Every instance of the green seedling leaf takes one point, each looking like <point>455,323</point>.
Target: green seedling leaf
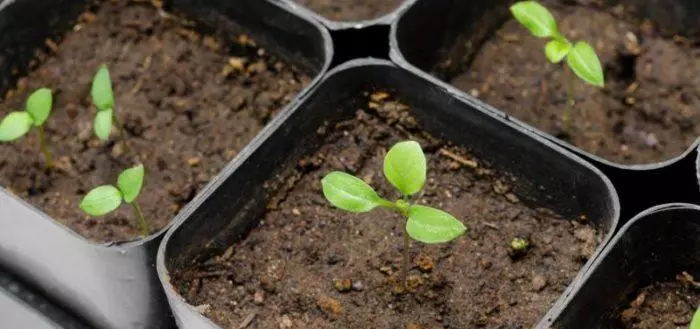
<point>15,125</point>
<point>130,182</point>
<point>556,50</point>
<point>535,18</point>
<point>430,225</point>
<point>405,167</point>
<point>695,323</point>
<point>350,193</point>
<point>101,200</point>
<point>103,124</point>
<point>585,63</point>
<point>101,92</point>
<point>39,105</point>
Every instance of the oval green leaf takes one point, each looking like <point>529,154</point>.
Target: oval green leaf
<point>583,60</point>
<point>15,125</point>
<point>695,323</point>
<point>101,91</point>
<point>103,124</point>
<point>556,50</point>
<point>101,200</point>
<point>350,193</point>
<point>130,182</point>
<point>39,105</point>
<point>405,167</point>
<point>430,225</point>
<point>535,18</point>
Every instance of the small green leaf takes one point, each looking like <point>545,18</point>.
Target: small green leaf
<point>15,125</point>
<point>103,124</point>
<point>39,105</point>
<point>556,50</point>
<point>350,193</point>
<point>695,323</point>
<point>535,18</point>
<point>585,63</point>
<point>405,167</point>
<point>101,92</point>
<point>101,200</point>
<point>430,225</point>
<point>130,182</point>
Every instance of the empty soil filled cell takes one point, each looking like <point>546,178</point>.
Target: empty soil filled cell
<point>310,265</point>
<point>351,10</point>
<point>664,305</point>
<point>648,110</point>
<point>188,103</point>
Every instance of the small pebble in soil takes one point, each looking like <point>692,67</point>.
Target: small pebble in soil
<point>285,322</point>
<point>358,286</point>
<point>329,305</point>
<point>518,247</point>
<point>342,285</point>
<point>258,298</point>
<point>425,263</point>
<point>538,282</point>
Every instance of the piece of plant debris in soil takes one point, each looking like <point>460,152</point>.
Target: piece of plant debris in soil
<point>351,10</point>
<point>311,265</point>
<point>188,103</point>
<point>663,305</point>
<point>646,112</point>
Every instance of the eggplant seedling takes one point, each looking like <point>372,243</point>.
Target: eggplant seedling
<point>405,169</point>
<point>103,98</point>
<point>19,123</point>
<point>580,56</point>
<point>106,198</point>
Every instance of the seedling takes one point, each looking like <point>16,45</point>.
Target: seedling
<point>405,169</point>
<point>580,56</point>
<point>106,198</point>
<point>103,98</point>
<point>36,111</point>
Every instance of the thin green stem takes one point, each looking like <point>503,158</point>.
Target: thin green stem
<point>566,117</point>
<point>406,245</point>
<point>122,134</point>
<point>143,226</point>
<point>43,146</point>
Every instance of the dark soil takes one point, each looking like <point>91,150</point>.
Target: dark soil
<point>351,10</point>
<point>188,102</point>
<point>648,110</point>
<point>310,265</point>
<point>665,305</point>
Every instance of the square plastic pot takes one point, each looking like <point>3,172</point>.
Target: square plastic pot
<point>115,286</point>
<point>548,175</point>
<point>655,246</point>
<point>434,31</point>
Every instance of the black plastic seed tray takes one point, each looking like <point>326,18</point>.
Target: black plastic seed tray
<point>117,286</point>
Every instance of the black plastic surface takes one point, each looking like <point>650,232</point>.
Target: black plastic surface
<point>115,286</point>
<point>548,176</point>
<point>655,246</point>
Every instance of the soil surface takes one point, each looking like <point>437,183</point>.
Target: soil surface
<point>665,305</point>
<point>351,10</point>
<point>310,265</point>
<point>188,102</point>
<point>648,110</point>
